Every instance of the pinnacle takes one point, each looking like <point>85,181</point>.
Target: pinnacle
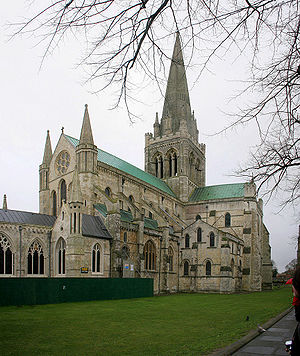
<point>76,195</point>
<point>48,150</point>
<point>86,135</point>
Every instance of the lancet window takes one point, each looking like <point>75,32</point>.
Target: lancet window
<point>61,256</point>
<point>173,163</point>
<point>186,268</point>
<point>6,256</point>
<point>227,220</point>
<point>208,268</point>
<point>63,192</point>
<point>159,166</point>
<point>96,259</point>
<point>150,256</point>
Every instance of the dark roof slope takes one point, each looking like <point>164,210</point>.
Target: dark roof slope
<point>26,217</point>
<point>126,167</point>
<point>94,227</point>
<point>221,191</point>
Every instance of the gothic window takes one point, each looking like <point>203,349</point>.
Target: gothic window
<point>6,256</point>
<point>186,268</point>
<point>187,241</point>
<point>150,256</point>
<point>156,167</point>
<point>150,215</point>
<point>54,203</point>
<point>63,192</point>
<point>125,252</point>
<point>35,259</point>
<point>131,199</point>
<point>198,217</point>
<point>170,165</point>
<point>171,259</point>
<point>227,220</point>
<point>211,239</point>
<point>61,256</point>
<point>96,259</point>
<point>125,236</point>
<point>208,268</point>
<point>161,168</point>
<point>175,164</point>
<point>108,191</point>
<point>199,234</point>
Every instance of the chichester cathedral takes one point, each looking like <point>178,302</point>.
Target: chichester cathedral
<point>101,217</point>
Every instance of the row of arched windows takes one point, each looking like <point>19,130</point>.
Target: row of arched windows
<point>62,195</point>
<point>212,238</point>
<point>167,166</point>
<point>36,259</point>
<point>150,257</point>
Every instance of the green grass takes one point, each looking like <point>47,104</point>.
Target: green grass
<point>184,324</point>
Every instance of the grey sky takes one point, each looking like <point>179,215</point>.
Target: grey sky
<point>34,100</point>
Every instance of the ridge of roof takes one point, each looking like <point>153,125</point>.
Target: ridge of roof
<point>128,168</point>
<point>220,191</point>
<point>26,217</point>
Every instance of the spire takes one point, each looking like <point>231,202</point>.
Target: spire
<point>76,196</point>
<point>86,135</point>
<point>47,151</point>
<point>177,100</point>
<point>4,207</point>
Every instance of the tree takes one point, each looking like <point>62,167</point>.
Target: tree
<point>124,36</point>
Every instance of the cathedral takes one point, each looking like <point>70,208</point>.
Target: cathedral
<point>101,217</point>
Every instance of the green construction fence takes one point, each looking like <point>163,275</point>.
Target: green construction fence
<point>31,291</point>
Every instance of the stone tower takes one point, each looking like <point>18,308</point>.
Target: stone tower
<point>44,192</point>
<point>173,152</point>
<point>86,160</point>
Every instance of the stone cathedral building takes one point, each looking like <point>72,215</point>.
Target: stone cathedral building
<point>103,217</point>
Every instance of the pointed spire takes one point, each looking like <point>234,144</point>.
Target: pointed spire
<point>177,99</point>
<point>76,195</point>
<point>156,118</point>
<point>86,135</point>
<point>47,151</point>
<point>4,207</point>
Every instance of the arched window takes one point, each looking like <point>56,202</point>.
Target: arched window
<point>170,165</point>
<point>150,256</point>
<point>125,252</point>
<point>232,266</point>
<point>198,217</point>
<point>108,191</point>
<point>211,239</point>
<point>240,266</point>
<point>227,220</point>
<point>125,236</point>
<point>54,203</point>
<point>131,199</point>
<point>96,259</point>
<point>61,256</point>
<point>171,259</point>
<point>186,268</point>
<point>6,256</point>
<point>63,192</point>
<point>175,164</point>
<point>35,259</point>
<point>187,241</point>
<point>208,268</point>
<point>199,234</point>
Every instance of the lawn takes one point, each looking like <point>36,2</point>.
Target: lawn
<point>183,324</point>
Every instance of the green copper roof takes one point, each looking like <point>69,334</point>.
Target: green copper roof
<point>126,167</point>
<point>101,208</point>
<point>150,224</point>
<point>126,216</point>
<point>222,191</point>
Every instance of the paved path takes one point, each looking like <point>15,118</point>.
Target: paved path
<point>272,341</point>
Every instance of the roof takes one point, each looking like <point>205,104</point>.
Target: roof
<point>222,191</point>
<point>101,208</point>
<point>126,216</point>
<point>26,217</point>
<point>128,168</point>
<point>94,227</point>
<point>150,224</point>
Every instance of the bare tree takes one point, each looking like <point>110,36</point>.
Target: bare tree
<point>123,36</point>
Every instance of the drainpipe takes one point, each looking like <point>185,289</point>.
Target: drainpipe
<point>20,257</point>
<point>49,241</point>
<point>160,239</point>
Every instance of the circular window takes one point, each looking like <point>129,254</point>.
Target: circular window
<point>62,162</point>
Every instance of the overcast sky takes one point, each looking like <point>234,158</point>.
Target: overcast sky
<point>34,101</point>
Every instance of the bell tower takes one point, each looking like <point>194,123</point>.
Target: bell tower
<point>173,152</point>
